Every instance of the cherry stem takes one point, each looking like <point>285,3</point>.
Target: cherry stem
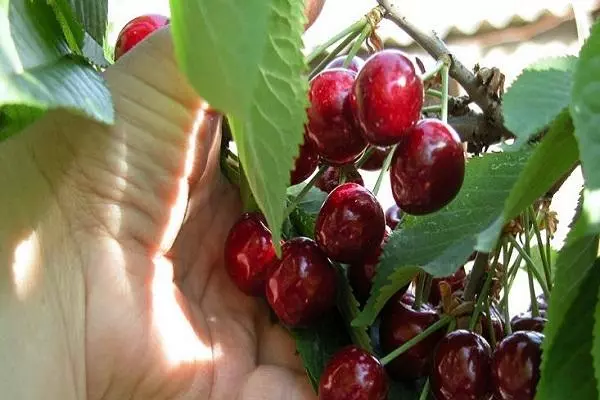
<point>434,93</point>
<point>333,54</point>
<point>483,295</point>
<point>248,200</point>
<point>231,170</point>
<point>421,336</point>
<point>366,31</point>
<point>478,271</point>
<point>354,28</point>
<point>425,392</point>
<point>506,289</point>
<point>491,329</point>
<point>386,165</point>
<point>419,291</point>
<point>445,88</point>
<point>530,264</point>
<point>541,248</point>
<point>433,72</point>
<point>290,209</point>
<point>433,108</point>
<point>365,157</point>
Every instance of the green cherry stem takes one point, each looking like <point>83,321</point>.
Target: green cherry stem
<point>434,93</point>
<point>483,294</point>
<point>386,165</point>
<point>506,256</point>
<point>365,157</point>
<point>530,264</point>
<point>445,88</point>
<point>541,248</point>
<point>366,31</point>
<point>421,336</point>
<point>433,108</point>
<point>356,27</point>
<point>534,309</point>
<point>420,289</point>
<point>333,54</point>
<point>425,392</point>
<point>433,72</point>
<point>290,209</point>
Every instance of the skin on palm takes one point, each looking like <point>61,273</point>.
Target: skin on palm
<point>156,323</point>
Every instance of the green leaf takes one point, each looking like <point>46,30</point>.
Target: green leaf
<point>94,52</point>
<point>585,109</point>
<point>349,308</point>
<point>305,215</point>
<point>72,29</point>
<point>14,118</point>
<point>568,334</point>
<point>537,96</point>
<point>596,344</point>
<point>318,343</point>
<point>93,15</point>
<point>443,241</point>
<point>37,69</point>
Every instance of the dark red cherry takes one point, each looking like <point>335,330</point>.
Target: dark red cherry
<point>542,303</point>
<point>331,177</point>
<point>393,216</point>
<point>461,367</point>
<point>249,253</point>
<point>387,97</point>
<point>353,374</point>
<point>400,323</point>
<point>516,366</point>
<point>456,282</point>
<point>302,285</point>
<point>137,30</point>
<point>428,168</point>
<point>331,125</point>
<point>360,275</point>
<point>497,325</point>
<point>350,224</point>
<point>527,322</point>
<point>305,164</point>
<point>376,159</point>
<point>355,65</point>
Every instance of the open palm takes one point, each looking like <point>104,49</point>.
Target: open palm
<point>150,210</point>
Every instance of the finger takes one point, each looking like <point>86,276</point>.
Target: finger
<point>277,347</point>
<point>275,383</point>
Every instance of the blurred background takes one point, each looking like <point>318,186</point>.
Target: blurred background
<point>508,34</point>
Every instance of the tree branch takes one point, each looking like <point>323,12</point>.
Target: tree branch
<point>477,90</point>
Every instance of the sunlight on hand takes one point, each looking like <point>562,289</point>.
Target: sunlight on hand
<point>24,266</point>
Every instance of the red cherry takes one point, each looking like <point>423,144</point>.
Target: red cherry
<point>387,97</point>
<point>497,325</point>
<point>331,125</point>
<point>331,177</point>
<point>360,275</point>
<point>516,366</point>
<point>527,322</point>
<point>393,216</point>
<point>350,224</point>
<point>302,286</point>
<point>456,282</point>
<point>376,159</point>
<point>428,168</point>
<point>399,324</point>
<point>249,253</point>
<point>355,65</point>
<point>305,164</point>
<point>461,367</point>
<point>137,30</point>
<point>353,374</point>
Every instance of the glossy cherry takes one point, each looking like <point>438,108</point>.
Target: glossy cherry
<point>360,275</point>
<point>527,322</point>
<point>393,216</point>
<point>387,97</point>
<point>350,224</point>
<point>331,177</point>
<point>376,159</point>
<point>302,285</point>
<point>461,367</point>
<point>353,374</point>
<point>516,366</point>
<point>305,164</point>
<point>428,168</point>
<point>249,253</point>
<point>355,65</point>
<point>137,30</point>
<point>400,323</point>
<point>331,125</point>
<point>456,282</point>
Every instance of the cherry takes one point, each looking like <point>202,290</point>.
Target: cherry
<point>428,168</point>
<point>542,303</point>
<point>376,159</point>
<point>353,374</point>
<point>137,30</point>
<point>387,97</point>
<point>305,164</point>
<point>331,177</point>
<point>249,253</point>
<point>302,286</point>
<point>331,125</point>
<point>516,366</point>
<point>527,322</point>
<point>393,216</point>
<point>497,325</point>
<point>350,224</point>
<point>355,65</point>
<point>456,282</point>
<point>461,367</point>
<point>360,275</point>
<point>399,324</point>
